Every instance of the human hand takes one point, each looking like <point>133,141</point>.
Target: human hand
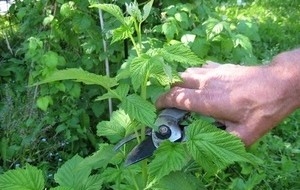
<point>248,100</point>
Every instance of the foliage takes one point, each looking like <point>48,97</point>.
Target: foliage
<point>28,178</point>
<point>54,91</point>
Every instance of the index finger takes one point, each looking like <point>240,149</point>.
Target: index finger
<point>186,99</point>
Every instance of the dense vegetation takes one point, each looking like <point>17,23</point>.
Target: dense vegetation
<point>56,126</point>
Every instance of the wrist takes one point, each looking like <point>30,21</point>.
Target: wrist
<point>286,67</point>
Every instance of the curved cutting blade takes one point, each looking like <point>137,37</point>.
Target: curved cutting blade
<point>130,138</point>
<point>141,151</point>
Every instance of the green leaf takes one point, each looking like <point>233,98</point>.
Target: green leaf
<point>80,75</point>
<point>201,47</point>
<point>213,148</point>
<point>217,29</point>
<point>139,68</point>
<point>34,43</point>
<point>249,29</point>
<point>94,182</point>
<point>106,96</point>
<point>213,27</point>
<point>44,102</point>
<point>164,74</point>
<point>138,108</point>
<point>133,10</point>
<point>99,159</point>
<point>168,157</point>
<point>111,174</point>
<point>147,9</point>
<point>50,59</point>
<point>169,29</point>
<point>74,90</point>
<point>81,22</point>
<point>62,188</point>
<point>66,9</point>
<point>180,53</point>
<point>243,41</point>
<point>122,33</point>
<point>119,93</point>
<point>71,175</point>
<point>114,129</point>
<point>98,108</point>
<point>113,10</point>
<point>179,180</point>
<point>122,90</point>
<point>183,18</point>
<point>29,178</point>
<point>47,20</point>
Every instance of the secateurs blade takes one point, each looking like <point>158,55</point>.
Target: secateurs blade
<point>169,127</point>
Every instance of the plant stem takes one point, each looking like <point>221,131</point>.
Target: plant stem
<point>107,70</point>
<point>137,135</point>
<point>140,35</point>
<point>144,96</point>
<point>144,86</point>
<point>135,46</point>
<point>143,129</point>
<point>145,172</point>
<point>138,48</point>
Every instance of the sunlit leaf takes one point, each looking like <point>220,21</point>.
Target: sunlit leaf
<point>243,41</point>
<point>113,10</point>
<point>138,108</point>
<point>98,159</point>
<point>119,93</point>
<point>29,178</point>
<point>80,75</point>
<point>47,20</point>
<point>212,147</point>
<point>43,102</point>
<point>147,8</point>
<point>180,53</point>
<point>139,69</point>
<point>122,33</point>
<point>114,129</point>
<point>169,29</point>
<point>67,8</point>
<point>71,175</point>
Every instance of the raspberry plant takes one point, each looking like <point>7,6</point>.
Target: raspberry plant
<point>149,71</point>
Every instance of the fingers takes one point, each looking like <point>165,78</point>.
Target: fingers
<point>194,77</point>
<point>204,69</point>
<point>198,101</point>
<point>192,81</point>
<point>197,70</point>
<point>186,99</point>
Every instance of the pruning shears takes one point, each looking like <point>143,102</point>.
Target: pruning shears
<point>169,127</point>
